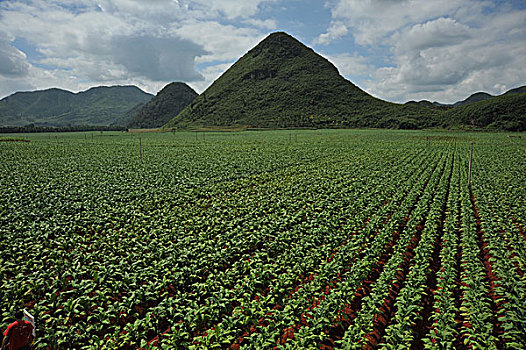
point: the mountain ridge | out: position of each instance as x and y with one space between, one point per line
279 83
283 83
473 98
100 105
503 112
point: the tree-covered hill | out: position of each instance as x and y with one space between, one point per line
476 97
283 83
55 107
171 100
505 112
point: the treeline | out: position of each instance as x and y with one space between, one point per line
70 128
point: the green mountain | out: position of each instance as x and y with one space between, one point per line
171 100
56 107
518 90
482 96
476 97
504 112
125 119
283 83
428 104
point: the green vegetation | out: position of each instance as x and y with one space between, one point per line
171 100
291 239
283 83
58 108
505 112
476 97
280 83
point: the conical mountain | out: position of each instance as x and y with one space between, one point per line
283 83
171 100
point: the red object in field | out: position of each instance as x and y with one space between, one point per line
19 332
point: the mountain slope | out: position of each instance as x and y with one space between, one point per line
518 90
283 83
56 107
504 112
171 100
428 104
476 97
482 96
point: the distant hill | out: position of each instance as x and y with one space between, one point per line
518 90
280 83
171 100
482 96
125 119
504 112
283 83
476 97
428 104
56 107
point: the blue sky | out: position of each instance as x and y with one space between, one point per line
398 50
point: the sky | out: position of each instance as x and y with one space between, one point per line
397 50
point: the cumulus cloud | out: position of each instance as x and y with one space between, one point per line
431 34
265 24
436 50
147 43
351 65
223 42
371 20
230 8
13 62
455 58
335 31
163 59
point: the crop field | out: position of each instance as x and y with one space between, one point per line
305 239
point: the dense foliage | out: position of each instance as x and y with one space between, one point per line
476 97
259 240
505 112
58 108
171 100
283 83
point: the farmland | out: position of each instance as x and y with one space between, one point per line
328 239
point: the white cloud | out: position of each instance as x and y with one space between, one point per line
452 60
158 59
436 50
336 30
147 43
372 20
431 34
264 24
351 65
13 62
223 42
230 8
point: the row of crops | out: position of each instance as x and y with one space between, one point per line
327 239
